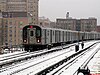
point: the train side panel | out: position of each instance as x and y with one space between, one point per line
36 37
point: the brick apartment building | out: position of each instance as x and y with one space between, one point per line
14 14
11 30
98 28
69 23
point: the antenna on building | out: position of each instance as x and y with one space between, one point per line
67 15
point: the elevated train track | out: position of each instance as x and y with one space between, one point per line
16 71
69 60
9 60
79 64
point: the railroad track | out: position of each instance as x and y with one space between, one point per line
39 65
6 60
69 61
79 63
9 59
41 54
31 55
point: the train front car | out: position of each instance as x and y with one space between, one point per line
31 37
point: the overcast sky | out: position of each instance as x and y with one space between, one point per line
53 9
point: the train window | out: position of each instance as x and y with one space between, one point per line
48 32
31 33
38 33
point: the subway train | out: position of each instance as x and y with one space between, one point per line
36 37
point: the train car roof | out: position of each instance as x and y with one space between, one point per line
60 29
57 29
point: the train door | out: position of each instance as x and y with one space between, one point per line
50 36
31 35
45 36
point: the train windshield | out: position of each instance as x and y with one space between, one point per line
31 33
38 33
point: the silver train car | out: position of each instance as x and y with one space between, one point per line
36 37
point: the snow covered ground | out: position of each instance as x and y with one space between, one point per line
72 69
36 68
94 64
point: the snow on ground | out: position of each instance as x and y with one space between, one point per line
9 54
72 69
94 64
36 67
34 61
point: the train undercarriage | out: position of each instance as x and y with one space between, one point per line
32 47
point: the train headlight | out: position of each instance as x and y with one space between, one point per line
25 41
38 40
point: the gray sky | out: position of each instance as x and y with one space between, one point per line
53 9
